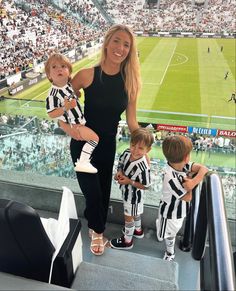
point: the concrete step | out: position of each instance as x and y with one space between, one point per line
139 264
11 282
92 276
125 270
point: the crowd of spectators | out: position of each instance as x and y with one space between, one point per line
33 146
218 16
32 124
30 29
86 11
169 16
215 16
37 153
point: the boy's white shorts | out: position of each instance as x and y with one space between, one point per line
133 209
168 227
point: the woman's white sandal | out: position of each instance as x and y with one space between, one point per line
101 246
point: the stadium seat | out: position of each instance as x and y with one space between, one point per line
26 249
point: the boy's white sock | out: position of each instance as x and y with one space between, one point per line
137 222
87 150
170 245
129 231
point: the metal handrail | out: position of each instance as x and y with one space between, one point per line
212 220
190 222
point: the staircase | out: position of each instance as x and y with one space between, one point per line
124 270
115 270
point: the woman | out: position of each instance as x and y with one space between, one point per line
109 88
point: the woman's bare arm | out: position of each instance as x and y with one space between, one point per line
131 115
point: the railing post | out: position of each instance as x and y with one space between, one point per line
212 219
220 250
186 244
199 239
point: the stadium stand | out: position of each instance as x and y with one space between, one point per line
30 30
173 16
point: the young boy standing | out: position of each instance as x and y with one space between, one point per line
62 104
177 186
133 175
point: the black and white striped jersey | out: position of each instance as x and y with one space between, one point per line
171 205
55 99
138 171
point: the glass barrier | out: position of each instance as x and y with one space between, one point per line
39 146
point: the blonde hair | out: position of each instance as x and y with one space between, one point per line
130 68
142 135
60 58
176 148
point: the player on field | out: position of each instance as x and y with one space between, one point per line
232 98
226 75
177 189
133 175
63 104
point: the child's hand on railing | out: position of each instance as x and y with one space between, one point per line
188 184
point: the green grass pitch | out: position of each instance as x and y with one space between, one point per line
183 84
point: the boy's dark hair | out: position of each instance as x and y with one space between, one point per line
175 148
142 135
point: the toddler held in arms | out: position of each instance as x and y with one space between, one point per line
63 104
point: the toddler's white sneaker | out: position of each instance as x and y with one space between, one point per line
85 167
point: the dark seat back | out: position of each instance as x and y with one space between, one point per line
25 249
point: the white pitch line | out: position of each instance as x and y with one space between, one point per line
224 117
168 65
153 84
172 112
25 104
185 61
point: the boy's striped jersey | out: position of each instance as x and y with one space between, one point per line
138 171
56 99
171 205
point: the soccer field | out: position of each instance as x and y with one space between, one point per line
183 83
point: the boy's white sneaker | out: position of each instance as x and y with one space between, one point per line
85 167
168 256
